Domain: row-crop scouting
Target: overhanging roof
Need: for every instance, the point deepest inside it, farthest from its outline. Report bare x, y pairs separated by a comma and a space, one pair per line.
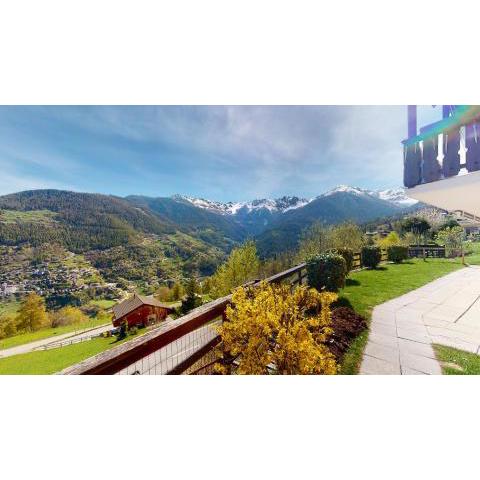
132, 303
461, 192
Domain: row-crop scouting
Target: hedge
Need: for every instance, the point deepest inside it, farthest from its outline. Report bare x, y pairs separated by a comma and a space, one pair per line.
327, 272
397, 253
347, 254
371, 256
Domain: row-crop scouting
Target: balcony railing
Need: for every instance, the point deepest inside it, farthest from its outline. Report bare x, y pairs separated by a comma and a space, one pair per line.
443, 149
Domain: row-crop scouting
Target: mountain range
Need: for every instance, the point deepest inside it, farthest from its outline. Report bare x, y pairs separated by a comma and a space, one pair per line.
84, 222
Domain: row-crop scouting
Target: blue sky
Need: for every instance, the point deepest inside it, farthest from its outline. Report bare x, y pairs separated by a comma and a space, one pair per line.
220, 152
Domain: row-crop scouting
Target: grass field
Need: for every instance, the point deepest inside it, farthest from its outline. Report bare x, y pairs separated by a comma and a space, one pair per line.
33, 216
48, 332
474, 257
9, 308
367, 288
105, 304
52, 361
457, 362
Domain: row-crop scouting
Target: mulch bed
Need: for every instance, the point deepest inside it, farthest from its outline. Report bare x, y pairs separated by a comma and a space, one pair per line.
347, 325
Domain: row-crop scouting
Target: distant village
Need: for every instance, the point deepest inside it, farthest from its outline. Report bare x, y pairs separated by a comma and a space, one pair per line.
51, 278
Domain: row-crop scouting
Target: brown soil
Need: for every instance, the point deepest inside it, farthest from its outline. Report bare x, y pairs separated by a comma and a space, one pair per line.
347, 325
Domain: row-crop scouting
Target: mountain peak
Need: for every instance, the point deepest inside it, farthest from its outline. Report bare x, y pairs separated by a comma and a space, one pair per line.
346, 189
396, 196
284, 204
281, 205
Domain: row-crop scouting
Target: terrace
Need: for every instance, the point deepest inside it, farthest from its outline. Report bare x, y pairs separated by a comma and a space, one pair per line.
186, 345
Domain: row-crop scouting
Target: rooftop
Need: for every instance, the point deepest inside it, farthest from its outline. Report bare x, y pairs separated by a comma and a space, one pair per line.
132, 303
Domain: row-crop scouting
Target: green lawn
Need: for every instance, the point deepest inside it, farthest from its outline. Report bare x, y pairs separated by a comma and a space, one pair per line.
457, 362
48, 332
32, 216
105, 304
46, 362
367, 288
9, 308
474, 257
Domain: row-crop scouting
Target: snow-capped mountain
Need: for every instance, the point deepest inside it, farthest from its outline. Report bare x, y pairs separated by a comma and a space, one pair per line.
266, 206
396, 196
278, 205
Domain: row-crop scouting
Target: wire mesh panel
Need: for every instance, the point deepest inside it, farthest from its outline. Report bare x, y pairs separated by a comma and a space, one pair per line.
165, 359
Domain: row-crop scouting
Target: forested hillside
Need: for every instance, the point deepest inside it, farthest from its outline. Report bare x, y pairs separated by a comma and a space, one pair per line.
218, 230
122, 239
79, 221
140, 238
337, 207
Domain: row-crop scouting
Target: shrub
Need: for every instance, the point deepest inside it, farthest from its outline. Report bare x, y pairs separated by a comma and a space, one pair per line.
391, 239
8, 326
371, 256
269, 329
164, 294
397, 253
347, 254
452, 238
67, 316
327, 272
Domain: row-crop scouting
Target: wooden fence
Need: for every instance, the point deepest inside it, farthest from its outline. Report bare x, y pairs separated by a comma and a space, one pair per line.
426, 251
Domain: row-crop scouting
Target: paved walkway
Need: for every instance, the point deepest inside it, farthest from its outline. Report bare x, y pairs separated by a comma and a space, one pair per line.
445, 311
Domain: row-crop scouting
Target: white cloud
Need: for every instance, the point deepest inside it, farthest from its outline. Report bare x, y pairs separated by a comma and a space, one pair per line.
238, 151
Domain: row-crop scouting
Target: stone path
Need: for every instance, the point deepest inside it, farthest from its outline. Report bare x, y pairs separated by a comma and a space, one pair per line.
445, 311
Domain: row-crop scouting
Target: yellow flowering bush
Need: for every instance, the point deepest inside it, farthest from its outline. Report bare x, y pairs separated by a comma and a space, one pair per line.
269, 329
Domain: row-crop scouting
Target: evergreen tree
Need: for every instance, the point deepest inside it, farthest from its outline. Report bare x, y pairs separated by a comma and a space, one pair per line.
191, 299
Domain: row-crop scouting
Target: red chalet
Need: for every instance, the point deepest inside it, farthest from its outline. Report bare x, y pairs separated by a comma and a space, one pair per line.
139, 310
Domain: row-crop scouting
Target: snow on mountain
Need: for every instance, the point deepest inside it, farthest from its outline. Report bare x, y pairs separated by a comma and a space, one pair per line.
393, 195
397, 196
284, 204
346, 189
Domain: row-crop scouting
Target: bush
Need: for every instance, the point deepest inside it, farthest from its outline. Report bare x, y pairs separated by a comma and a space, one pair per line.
67, 316
371, 256
327, 272
8, 326
347, 254
272, 330
397, 253
391, 239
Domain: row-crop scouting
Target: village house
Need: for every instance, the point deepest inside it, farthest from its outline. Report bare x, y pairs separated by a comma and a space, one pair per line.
140, 310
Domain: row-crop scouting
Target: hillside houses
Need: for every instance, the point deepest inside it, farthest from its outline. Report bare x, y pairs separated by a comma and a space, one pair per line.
60, 276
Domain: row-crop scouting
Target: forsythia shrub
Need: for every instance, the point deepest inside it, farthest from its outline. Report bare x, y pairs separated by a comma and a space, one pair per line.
327, 272
268, 329
371, 256
397, 253
391, 239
